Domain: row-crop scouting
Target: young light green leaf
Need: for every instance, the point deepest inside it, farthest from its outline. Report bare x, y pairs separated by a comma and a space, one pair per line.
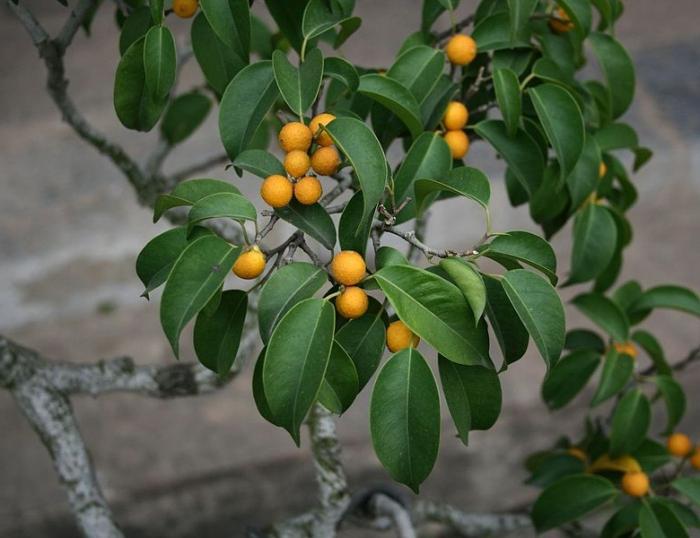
507, 87
363, 339
604, 313
435, 310
340, 385
540, 309
468, 279
525, 247
630, 423
296, 360
618, 69
246, 101
221, 205
394, 96
595, 241
617, 371
217, 335
299, 87
562, 121
190, 192
568, 377
230, 20
184, 114
260, 163
159, 61
674, 397
405, 418
510, 332
194, 279
311, 219
285, 288
462, 181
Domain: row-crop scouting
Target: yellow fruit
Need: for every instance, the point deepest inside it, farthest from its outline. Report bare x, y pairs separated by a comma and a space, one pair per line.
322, 138
679, 444
250, 264
184, 8
325, 161
576, 452
635, 484
352, 302
560, 23
458, 142
297, 163
276, 190
348, 267
295, 135
626, 348
624, 464
695, 459
460, 49
602, 169
308, 190
456, 116
399, 336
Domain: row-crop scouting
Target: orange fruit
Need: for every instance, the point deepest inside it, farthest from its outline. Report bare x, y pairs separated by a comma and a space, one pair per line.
295, 135
348, 267
308, 190
276, 190
679, 444
456, 116
322, 137
250, 264
399, 336
325, 161
458, 142
461, 49
185, 8
635, 484
352, 302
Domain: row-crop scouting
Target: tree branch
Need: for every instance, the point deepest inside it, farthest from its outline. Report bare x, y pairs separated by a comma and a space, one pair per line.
468, 525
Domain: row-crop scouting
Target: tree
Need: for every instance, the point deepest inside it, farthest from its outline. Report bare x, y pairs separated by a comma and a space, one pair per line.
514, 84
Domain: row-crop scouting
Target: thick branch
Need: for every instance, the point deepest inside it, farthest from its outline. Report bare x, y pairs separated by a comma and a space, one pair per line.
468, 525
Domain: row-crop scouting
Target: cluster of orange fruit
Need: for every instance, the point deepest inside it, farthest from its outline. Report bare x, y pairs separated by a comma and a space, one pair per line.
296, 138
635, 482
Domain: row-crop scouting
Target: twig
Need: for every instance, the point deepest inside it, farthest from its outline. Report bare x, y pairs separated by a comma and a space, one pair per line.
189, 171
72, 24
460, 25
692, 356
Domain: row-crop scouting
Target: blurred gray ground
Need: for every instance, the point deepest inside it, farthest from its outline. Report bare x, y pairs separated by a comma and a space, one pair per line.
70, 230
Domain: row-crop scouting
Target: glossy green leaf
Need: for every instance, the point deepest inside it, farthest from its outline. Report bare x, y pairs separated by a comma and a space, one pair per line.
462, 181
583, 179
217, 335
494, 33
512, 336
405, 418
473, 396
580, 14
134, 103
519, 12
595, 241
468, 279
184, 115
311, 219
562, 121
286, 287
221, 205
653, 348
340, 386
320, 16
690, 487
525, 247
358, 143
675, 400
259, 392
363, 339
246, 101
604, 313
540, 309
230, 20
507, 87
616, 136
347, 28
617, 371
190, 192
387, 256
618, 70
668, 296
159, 60
343, 71
194, 279
435, 310
630, 423
584, 339
259, 162
570, 498
656, 520
135, 27
353, 233
296, 361
521, 152
288, 15
418, 69
394, 96
299, 87
568, 377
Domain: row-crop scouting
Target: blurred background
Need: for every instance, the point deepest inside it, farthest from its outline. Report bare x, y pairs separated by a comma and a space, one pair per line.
70, 230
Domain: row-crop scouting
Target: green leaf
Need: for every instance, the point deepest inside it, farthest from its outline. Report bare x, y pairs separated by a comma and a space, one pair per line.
134, 104
363, 339
299, 87
618, 69
516, 59
159, 60
261, 38
473, 396
690, 487
218, 62
260, 163
135, 27
494, 33
286, 287
656, 520
668, 296
468, 279
617, 371
395, 97
221, 205
320, 16
519, 12
507, 87
418, 69
568, 377
194, 279
246, 101
296, 361
340, 386
288, 15
156, 7
616, 136
674, 397
652, 347
562, 121
540, 309
651, 456
190, 192
353, 233
550, 467
184, 114
311, 219
595, 241
630, 423
584, 339
462, 181
405, 418
604, 313
510, 332
428, 157
570, 498
359, 144
521, 152
259, 392
435, 310
347, 28
387, 256
230, 20
583, 179
342, 71
217, 336
580, 13
525, 247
